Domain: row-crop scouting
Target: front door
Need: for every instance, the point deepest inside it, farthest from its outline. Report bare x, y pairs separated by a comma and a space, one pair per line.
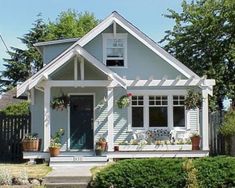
81, 122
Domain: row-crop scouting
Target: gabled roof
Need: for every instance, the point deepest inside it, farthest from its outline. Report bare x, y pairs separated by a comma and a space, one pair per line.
58, 62
67, 54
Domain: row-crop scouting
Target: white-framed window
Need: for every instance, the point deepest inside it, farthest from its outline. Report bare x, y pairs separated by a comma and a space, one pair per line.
178, 111
115, 50
137, 111
158, 111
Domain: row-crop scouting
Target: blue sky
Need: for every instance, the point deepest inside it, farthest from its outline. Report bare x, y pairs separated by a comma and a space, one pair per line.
16, 17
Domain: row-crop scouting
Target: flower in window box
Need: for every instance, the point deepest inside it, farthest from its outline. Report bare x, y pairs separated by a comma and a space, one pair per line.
124, 101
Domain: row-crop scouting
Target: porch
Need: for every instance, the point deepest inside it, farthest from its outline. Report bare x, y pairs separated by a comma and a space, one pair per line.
88, 158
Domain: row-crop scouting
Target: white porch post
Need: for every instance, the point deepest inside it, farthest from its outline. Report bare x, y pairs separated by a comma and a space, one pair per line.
47, 126
205, 126
110, 101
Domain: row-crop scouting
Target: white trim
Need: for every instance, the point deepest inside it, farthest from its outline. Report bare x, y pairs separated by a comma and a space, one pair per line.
173, 82
205, 126
114, 29
146, 94
110, 101
75, 68
55, 42
82, 68
47, 117
141, 37
77, 94
107, 36
81, 83
55, 64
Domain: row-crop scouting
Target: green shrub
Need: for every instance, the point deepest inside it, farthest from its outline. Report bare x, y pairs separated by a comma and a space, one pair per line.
142, 173
215, 171
228, 125
17, 109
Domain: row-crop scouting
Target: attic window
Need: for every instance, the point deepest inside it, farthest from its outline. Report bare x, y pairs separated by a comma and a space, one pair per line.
115, 50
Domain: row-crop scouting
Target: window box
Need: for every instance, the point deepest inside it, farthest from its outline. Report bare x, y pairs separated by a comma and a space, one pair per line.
178, 147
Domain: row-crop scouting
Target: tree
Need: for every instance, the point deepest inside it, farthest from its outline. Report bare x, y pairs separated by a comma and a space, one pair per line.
203, 38
18, 67
21, 62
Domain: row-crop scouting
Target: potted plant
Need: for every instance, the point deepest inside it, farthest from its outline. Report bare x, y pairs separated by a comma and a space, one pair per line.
30, 142
55, 143
60, 103
124, 101
195, 139
102, 143
98, 150
193, 100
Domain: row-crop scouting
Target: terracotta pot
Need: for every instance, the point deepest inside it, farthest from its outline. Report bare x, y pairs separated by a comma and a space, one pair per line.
54, 151
195, 142
30, 145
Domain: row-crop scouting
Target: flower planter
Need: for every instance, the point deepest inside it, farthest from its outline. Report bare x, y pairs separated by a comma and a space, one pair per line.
178, 147
98, 152
195, 142
30, 145
54, 151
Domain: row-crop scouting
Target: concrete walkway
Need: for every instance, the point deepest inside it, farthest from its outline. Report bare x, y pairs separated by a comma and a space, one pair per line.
69, 177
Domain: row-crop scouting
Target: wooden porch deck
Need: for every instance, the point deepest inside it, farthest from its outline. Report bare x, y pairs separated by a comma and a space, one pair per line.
90, 155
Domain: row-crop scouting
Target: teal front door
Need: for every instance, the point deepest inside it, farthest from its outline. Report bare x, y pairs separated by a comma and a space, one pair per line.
81, 122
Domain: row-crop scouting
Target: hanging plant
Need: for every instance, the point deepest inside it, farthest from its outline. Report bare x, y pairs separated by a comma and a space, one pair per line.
60, 103
193, 100
124, 101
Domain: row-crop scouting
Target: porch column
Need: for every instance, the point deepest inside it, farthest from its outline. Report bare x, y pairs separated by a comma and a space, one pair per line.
47, 126
205, 132
110, 101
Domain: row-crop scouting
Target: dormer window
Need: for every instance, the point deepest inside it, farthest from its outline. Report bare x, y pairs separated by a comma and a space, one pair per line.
115, 50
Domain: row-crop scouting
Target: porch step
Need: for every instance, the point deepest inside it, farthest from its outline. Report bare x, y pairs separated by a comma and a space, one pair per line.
68, 177
77, 160
66, 185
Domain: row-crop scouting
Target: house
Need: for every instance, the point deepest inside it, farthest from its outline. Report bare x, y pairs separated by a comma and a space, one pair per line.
112, 60
9, 98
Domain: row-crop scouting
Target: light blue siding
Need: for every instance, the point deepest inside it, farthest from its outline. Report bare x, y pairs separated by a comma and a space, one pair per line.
52, 51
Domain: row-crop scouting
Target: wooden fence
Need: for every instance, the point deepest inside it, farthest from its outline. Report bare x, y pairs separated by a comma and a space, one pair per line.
12, 131
217, 145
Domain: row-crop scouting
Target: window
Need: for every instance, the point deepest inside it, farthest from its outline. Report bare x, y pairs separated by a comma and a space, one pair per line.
158, 111
115, 50
137, 104
179, 111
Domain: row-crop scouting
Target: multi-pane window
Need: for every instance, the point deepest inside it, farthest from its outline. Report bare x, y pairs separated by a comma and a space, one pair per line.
178, 111
158, 111
115, 50
137, 104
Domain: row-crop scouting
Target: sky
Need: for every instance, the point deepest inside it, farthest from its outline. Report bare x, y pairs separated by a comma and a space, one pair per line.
16, 17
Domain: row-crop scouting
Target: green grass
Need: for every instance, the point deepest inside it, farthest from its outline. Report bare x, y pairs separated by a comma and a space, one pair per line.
33, 170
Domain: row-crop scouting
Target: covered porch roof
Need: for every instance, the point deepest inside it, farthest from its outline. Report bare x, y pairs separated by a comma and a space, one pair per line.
78, 51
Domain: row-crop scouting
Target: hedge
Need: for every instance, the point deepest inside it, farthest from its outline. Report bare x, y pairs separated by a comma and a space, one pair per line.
164, 173
142, 173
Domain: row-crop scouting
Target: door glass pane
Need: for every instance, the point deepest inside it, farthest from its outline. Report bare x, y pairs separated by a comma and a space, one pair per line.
137, 117
179, 116
157, 116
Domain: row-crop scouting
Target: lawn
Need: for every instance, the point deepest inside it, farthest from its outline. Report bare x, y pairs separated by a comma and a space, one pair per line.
33, 170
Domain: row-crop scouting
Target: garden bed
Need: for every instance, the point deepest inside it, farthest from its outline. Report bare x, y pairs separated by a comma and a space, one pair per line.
170, 147
23, 174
